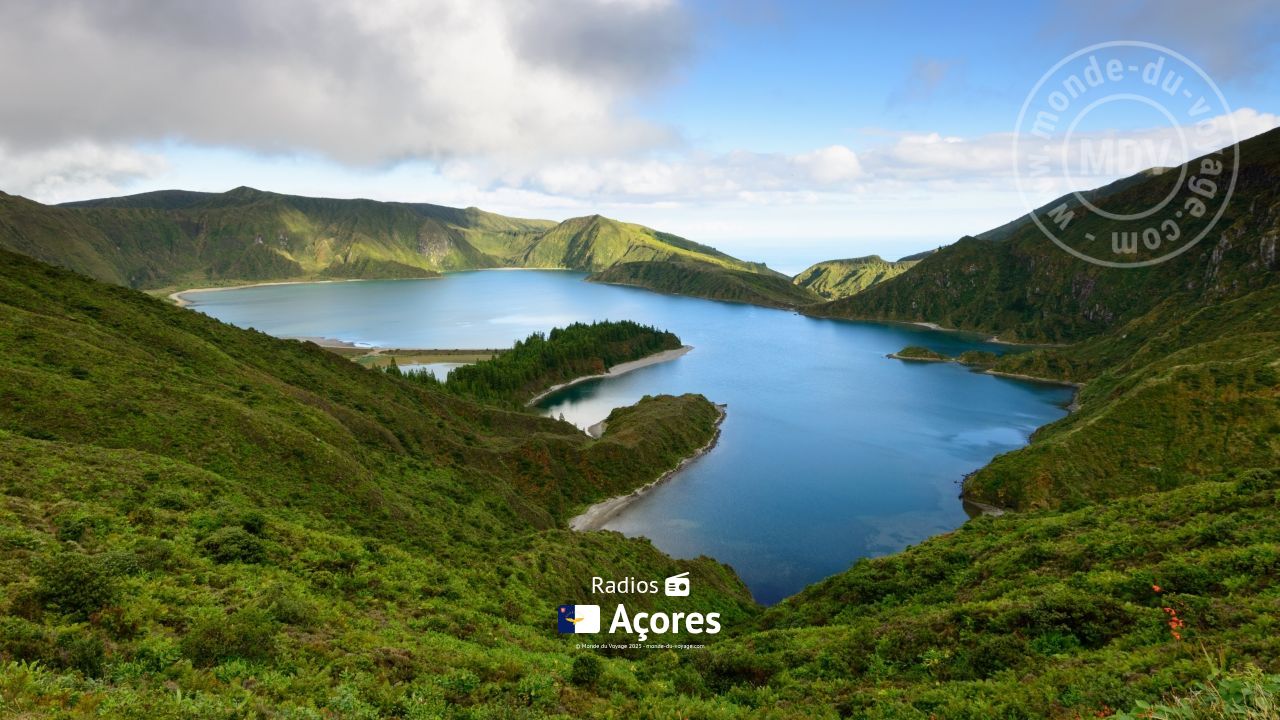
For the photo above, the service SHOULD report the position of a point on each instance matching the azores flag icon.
(578, 619)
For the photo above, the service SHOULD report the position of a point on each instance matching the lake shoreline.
(180, 301)
(177, 296)
(616, 370)
(995, 339)
(1072, 406)
(596, 515)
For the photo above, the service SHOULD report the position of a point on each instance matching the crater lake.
(829, 452)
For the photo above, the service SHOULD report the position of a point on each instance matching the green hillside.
(1023, 287)
(595, 243)
(184, 239)
(1172, 397)
(711, 281)
(203, 521)
(186, 502)
(833, 279)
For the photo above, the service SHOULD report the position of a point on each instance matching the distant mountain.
(832, 279)
(181, 238)
(754, 284)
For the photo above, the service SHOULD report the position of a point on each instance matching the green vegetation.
(918, 353)
(705, 280)
(1243, 695)
(596, 243)
(202, 521)
(540, 361)
(174, 239)
(1170, 398)
(834, 279)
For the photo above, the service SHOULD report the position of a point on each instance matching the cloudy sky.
(782, 131)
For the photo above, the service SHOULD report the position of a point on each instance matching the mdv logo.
(578, 619)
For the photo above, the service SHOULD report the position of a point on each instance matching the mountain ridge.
(178, 238)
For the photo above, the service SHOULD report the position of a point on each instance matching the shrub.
(233, 544)
(153, 554)
(537, 691)
(75, 584)
(248, 633)
(292, 607)
(586, 671)
(72, 648)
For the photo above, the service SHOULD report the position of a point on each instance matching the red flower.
(1156, 588)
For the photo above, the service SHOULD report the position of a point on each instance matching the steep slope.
(705, 280)
(1022, 286)
(1172, 397)
(833, 279)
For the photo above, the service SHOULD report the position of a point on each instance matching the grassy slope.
(832, 279)
(1171, 398)
(262, 508)
(705, 280)
(275, 528)
(201, 521)
(595, 243)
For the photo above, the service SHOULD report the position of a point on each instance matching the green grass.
(262, 524)
(1035, 615)
(1170, 398)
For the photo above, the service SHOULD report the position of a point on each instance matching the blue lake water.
(830, 451)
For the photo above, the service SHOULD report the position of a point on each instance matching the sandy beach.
(619, 369)
(180, 301)
(177, 297)
(594, 517)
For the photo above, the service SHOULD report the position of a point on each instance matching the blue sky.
(783, 131)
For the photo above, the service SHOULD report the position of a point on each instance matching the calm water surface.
(830, 452)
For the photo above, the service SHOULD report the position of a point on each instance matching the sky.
(787, 132)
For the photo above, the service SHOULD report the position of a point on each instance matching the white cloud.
(692, 177)
(360, 82)
(75, 170)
